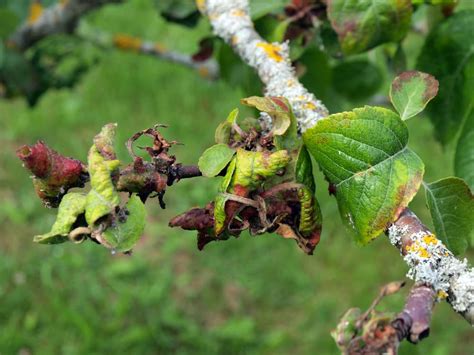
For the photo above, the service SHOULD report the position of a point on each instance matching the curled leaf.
(277, 107)
(223, 130)
(123, 235)
(72, 205)
(103, 198)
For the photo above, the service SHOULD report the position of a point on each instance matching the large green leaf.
(464, 158)
(123, 236)
(411, 91)
(72, 205)
(215, 159)
(364, 154)
(103, 198)
(364, 24)
(448, 54)
(451, 205)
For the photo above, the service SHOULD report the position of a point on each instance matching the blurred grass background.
(250, 295)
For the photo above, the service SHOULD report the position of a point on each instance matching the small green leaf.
(103, 198)
(228, 176)
(223, 130)
(448, 54)
(277, 107)
(364, 154)
(215, 159)
(411, 91)
(220, 215)
(451, 204)
(310, 215)
(364, 24)
(123, 236)
(72, 205)
(464, 158)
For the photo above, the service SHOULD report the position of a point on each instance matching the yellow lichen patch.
(418, 249)
(238, 12)
(309, 105)
(234, 40)
(272, 50)
(35, 11)
(203, 71)
(290, 83)
(430, 239)
(442, 295)
(127, 42)
(160, 48)
(201, 5)
(63, 2)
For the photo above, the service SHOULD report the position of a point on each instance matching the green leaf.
(448, 54)
(364, 154)
(464, 157)
(364, 24)
(411, 91)
(224, 186)
(8, 22)
(451, 204)
(356, 79)
(277, 107)
(262, 8)
(72, 205)
(103, 198)
(220, 215)
(215, 159)
(223, 130)
(123, 236)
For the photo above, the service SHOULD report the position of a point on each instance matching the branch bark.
(430, 262)
(59, 18)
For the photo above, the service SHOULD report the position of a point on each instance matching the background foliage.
(249, 295)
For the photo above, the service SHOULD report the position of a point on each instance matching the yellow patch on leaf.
(127, 42)
(272, 50)
(35, 11)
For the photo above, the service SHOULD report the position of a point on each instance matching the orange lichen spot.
(418, 249)
(309, 105)
(201, 5)
(127, 42)
(63, 2)
(442, 295)
(272, 50)
(238, 12)
(159, 48)
(35, 11)
(430, 239)
(203, 71)
(234, 40)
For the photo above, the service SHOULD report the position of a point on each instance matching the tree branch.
(58, 18)
(430, 262)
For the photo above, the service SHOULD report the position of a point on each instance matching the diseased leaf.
(304, 169)
(451, 204)
(448, 54)
(123, 236)
(364, 154)
(72, 205)
(220, 215)
(253, 167)
(277, 107)
(364, 24)
(215, 159)
(223, 130)
(103, 198)
(411, 91)
(464, 157)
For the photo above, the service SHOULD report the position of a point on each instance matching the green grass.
(250, 295)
